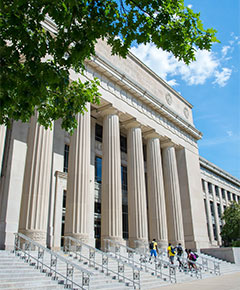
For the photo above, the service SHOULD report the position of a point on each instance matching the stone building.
(129, 173)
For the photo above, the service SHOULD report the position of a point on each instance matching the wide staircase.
(80, 266)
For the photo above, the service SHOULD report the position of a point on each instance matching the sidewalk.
(223, 282)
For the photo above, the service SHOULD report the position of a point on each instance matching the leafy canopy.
(35, 63)
(231, 229)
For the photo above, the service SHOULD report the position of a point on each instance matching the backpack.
(151, 246)
(193, 257)
(179, 250)
(172, 250)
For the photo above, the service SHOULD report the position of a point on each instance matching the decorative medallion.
(186, 112)
(168, 98)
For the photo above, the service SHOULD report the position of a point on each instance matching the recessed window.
(66, 157)
(98, 132)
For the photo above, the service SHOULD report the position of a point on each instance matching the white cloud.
(172, 83)
(206, 66)
(229, 133)
(222, 77)
(225, 50)
(190, 6)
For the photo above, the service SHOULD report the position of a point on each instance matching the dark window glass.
(98, 169)
(97, 207)
(215, 232)
(123, 144)
(144, 152)
(125, 221)
(203, 186)
(209, 187)
(223, 194)
(98, 132)
(217, 191)
(219, 210)
(124, 177)
(66, 156)
(229, 195)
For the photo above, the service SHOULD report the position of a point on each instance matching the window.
(217, 191)
(203, 186)
(223, 194)
(124, 177)
(123, 144)
(66, 157)
(98, 169)
(144, 152)
(209, 187)
(98, 132)
(219, 210)
(125, 221)
(229, 195)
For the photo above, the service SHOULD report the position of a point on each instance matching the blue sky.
(211, 84)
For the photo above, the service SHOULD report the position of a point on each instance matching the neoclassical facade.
(130, 172)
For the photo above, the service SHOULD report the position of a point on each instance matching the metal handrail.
(104, 265)
(205, 264)
(158, 265)
(27, 247)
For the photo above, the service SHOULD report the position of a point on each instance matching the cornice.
(218, 171)
(159, 79)
(141, 92)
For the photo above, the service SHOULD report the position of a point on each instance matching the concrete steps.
(16, 274)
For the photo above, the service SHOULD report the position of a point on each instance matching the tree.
(231, 229)
(35, 62)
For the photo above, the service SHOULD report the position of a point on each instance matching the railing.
(51, 263)
(75, 246)
(209, 265)
(156, 268)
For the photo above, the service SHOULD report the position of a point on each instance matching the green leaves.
(35, 63)
(231, 229)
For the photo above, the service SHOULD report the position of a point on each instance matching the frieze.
(169, 99)
(219, 179)
(143, 108)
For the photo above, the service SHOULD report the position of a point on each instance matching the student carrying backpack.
(153, 249)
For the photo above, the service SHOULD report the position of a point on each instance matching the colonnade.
(212, 215)
(154, 204)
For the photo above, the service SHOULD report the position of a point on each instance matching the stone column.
(219, 240)
(111, 200)
(172, 192)
(137, 207)
(156, 196)
(209, 217)
(2, 142)
(77, 199)
(221, 201)
(36, 185)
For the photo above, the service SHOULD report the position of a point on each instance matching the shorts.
(171, 258)
(153, 252)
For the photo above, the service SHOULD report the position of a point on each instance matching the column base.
(163, 244)
(35, 235)
(110, 244)
(136, 243)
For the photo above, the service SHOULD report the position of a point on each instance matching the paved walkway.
(223, 282)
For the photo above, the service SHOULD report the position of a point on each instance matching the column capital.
(167, 143)
(151, 134)
(107, 110)
(131, 123)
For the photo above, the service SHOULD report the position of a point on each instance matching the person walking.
(153, 249)
(171, 253)
(179, 255)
